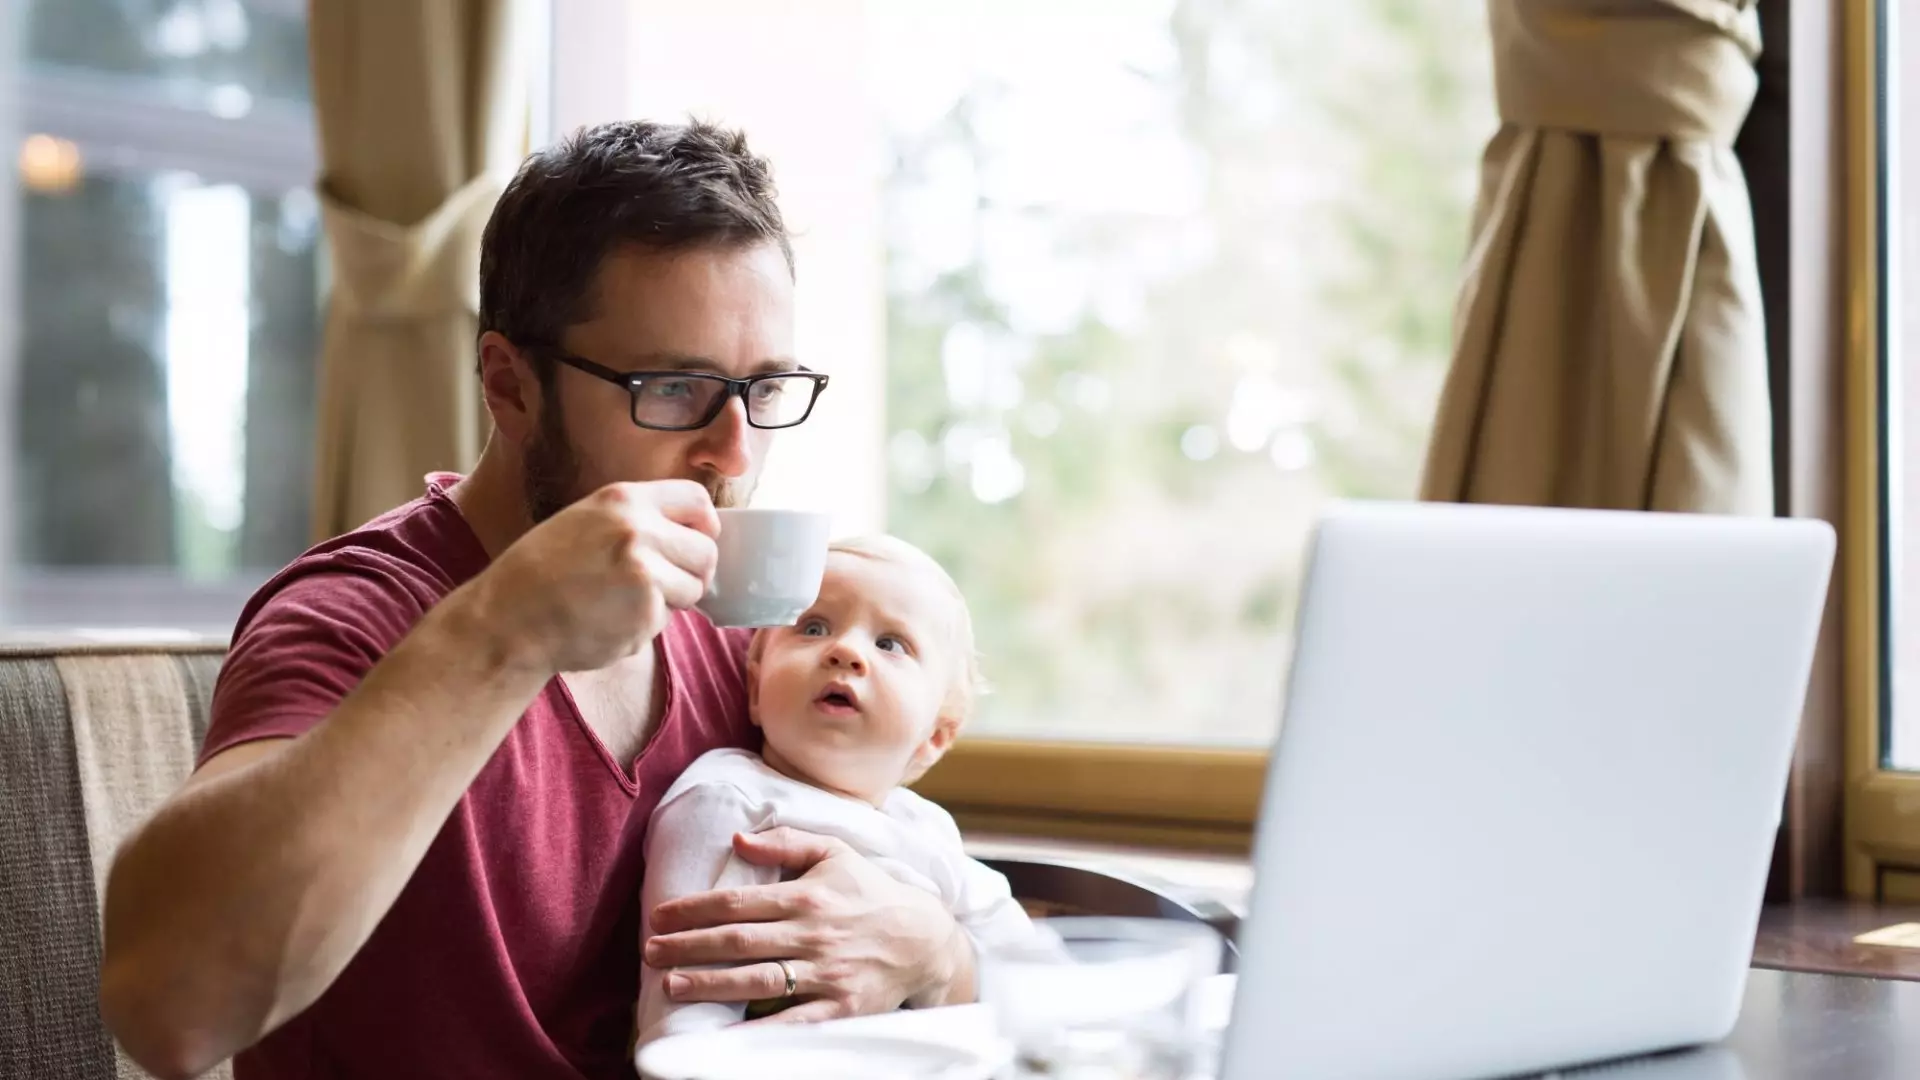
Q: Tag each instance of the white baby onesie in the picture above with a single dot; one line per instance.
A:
(689, 850)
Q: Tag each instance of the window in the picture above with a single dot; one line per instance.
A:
(1882, 644)
(1162, 280)
(1901, 160)
(167, 275)
(1115, 296)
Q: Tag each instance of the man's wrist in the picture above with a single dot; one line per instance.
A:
(469, 621)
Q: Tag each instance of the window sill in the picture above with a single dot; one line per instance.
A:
(1125, 797)
(1817, 936)
(38, 598)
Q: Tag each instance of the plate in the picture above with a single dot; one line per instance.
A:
(811, 1053)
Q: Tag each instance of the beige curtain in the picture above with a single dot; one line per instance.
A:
(422, 111)
(1609, 350)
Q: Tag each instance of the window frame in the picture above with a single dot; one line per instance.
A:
(124, 128)
(1166, 796)
(1883, 805)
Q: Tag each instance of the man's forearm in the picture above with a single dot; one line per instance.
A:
(242, 900)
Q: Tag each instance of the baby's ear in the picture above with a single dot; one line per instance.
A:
(946, 728)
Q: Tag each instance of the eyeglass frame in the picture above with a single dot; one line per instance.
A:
(631, 381)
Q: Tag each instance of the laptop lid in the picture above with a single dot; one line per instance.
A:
(1522, 802)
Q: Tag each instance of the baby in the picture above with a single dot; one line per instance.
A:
(858, 698)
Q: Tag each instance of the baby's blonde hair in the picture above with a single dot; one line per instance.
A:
(971, 684)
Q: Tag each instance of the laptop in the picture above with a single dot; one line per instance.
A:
(1523, 798)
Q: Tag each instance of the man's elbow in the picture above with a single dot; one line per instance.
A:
(138, 1016)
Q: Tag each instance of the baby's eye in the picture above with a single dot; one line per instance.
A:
(890, 643)
(813, 628)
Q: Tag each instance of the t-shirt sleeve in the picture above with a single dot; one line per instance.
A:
(303, 647)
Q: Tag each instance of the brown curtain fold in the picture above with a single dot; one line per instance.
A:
(1609, 348)
(422, 112)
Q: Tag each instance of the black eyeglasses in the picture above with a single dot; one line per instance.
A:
(689, 400)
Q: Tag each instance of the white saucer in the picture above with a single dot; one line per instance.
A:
(806, 1052)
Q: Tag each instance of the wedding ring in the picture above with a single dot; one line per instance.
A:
(787, 970)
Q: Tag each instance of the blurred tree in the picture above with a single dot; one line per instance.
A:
(258, 45)
(93, 466)
(1127, 502)
(94, 436)
(285, 333)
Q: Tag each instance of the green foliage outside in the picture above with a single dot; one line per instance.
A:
(1128, 519)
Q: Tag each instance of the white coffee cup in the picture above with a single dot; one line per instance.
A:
(771, 562)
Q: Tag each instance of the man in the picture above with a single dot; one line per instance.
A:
(413, 843)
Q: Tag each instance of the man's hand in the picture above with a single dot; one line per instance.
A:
(597, 582)
(858, 941)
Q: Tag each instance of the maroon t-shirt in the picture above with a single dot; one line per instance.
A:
(514, 949)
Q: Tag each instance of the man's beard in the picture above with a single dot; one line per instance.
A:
(551, 471)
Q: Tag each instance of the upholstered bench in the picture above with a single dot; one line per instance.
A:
(95, 730)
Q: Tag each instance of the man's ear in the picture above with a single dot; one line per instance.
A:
(510, 387)
(946, 728)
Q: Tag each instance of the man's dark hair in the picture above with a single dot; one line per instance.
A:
(670, 187)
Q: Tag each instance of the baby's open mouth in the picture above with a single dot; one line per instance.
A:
(836, 698)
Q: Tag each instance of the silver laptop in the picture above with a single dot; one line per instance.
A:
(1520, 809)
